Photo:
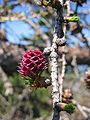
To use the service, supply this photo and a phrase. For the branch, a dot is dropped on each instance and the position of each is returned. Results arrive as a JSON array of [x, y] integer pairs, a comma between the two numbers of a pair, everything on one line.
[[57, 41], [61, 76], [80, 109], [75, 67]]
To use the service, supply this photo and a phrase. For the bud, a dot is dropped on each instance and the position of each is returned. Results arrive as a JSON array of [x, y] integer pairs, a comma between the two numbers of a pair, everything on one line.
[[72, 19], [53, 3], [69, 108], [67, 96], [75, 27]]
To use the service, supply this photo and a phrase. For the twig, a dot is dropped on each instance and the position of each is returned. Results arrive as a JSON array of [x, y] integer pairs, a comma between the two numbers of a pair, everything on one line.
[[21, 16], [61, 76], [58, 36], [75, 67], [80, 109], [85, 40], [86, 109]]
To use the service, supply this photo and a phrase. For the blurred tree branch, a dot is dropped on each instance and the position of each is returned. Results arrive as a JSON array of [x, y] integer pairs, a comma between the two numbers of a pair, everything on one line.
[[12, 55]]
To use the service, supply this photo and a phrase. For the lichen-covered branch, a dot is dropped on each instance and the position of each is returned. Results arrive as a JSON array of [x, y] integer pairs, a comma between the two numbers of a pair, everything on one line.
[[58, 36], [54, 71]]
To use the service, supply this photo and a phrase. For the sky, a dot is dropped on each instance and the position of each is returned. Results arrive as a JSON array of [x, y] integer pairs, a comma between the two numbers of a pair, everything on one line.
[[16, 30]]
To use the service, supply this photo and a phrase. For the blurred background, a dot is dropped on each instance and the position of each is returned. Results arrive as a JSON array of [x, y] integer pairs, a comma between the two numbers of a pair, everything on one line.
[[26, 25]]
